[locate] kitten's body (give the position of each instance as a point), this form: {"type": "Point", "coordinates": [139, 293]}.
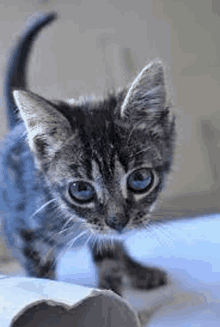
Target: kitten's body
{"type": "Point", "coordinates": [91, 168]}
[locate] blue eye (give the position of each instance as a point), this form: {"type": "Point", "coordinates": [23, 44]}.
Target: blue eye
{"type": "Point", "coordinates": [141, 180]}
{"type": "Point", "coordinates": [82, 192]}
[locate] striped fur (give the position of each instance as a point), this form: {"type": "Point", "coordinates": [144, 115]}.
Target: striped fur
{"type": "Point", "coordinates": [85, 163]}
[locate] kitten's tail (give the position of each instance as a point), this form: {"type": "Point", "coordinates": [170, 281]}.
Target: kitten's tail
{"type": "Point", "coordinates": [16, 72]}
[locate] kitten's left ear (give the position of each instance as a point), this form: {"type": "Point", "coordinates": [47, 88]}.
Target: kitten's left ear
{"type": "Point", "coordinates": [146, 98]}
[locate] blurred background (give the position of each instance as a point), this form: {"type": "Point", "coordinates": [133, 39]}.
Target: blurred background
{"type": "Point", "coordinates": [97, 45]}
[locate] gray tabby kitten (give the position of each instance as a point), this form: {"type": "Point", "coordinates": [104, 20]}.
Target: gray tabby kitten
{"type": "Point", "coordinates": [88, 168]}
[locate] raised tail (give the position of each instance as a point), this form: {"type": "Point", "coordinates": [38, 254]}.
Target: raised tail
{"type": "Point", "coordinates": [16, 72]}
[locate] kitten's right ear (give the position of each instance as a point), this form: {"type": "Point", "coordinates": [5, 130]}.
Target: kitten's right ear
{"type": "Point", "coordinates": [47, 128]}
{"type": "Point", "coordinates": [146, 98]}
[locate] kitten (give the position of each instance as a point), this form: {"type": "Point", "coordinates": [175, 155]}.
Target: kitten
{"type": "Point", "coordinates": [92, 168]}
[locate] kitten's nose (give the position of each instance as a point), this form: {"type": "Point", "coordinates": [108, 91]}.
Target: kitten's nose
{"type": "Point", "coordinates": [117, 223]}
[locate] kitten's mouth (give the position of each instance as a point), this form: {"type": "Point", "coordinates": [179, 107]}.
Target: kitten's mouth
{"type": "Point", "coordinates": [108, 232]}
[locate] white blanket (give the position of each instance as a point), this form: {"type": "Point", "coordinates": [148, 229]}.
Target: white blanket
{"type": "Point", "coordinates": [189, 251]}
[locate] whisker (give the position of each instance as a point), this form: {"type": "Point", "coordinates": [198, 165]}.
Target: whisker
{"type": "Point", "coordinates": [154, 234]}
{"type": "Point", "coordinates": [76, 238]}
{"type": "Point", "coordinates": [87, 241]}
{"type": "Point", "coordinates": [167, 232]}
{"type": "Point", "coordinates": [70, 244]}
{"type": "Point", "coordinates": [23, 135]}
{"type": "Point", "coordinates": [154, 228]}
{"type": "Point", "coordinates": [93, 239]}
{"type": "Point", "coordinates": [42, 207]}
{"type": "Point", "coordinates": [66, 223]}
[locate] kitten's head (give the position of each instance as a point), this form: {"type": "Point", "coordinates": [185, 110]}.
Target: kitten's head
{"type": "Point", "coordinates": [104, 161]}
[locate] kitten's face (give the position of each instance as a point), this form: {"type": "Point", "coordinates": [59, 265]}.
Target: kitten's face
{"type": "Point", "coordinates": [105, 161]}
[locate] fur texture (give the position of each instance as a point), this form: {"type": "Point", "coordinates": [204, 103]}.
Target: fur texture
{"type": "Point", "coordinates": [92, 169]}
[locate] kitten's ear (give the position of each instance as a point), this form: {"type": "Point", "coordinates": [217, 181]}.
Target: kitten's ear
{"type": "Point", "coordinates": [146, 98]}
{"type": "Point", "coordinates": [47, 128]}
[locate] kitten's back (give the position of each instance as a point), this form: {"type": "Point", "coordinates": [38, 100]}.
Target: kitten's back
{"type": "Point", "coordinates": [19, 195]}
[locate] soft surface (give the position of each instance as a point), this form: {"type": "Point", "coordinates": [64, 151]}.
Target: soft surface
{"type": "Point", "coordinates": [189, 251]}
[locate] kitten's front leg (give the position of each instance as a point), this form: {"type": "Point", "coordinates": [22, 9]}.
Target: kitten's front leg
{"type": "Point", "coordinates": [110, 276]}
{"type": "Point", "coordinates": [114, 264]}
{"type": "Point", "coordinates": [109, 261]}
{"type": "Point", "coordinates": [40, 259]}
{"type": "Point", "coordinates": [143, 277]}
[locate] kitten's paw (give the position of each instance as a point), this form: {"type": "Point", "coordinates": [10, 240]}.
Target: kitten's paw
{"type": "Point", "coordinates": [142, 277]}
{"type": "Point", "coordinates": [111, 276]}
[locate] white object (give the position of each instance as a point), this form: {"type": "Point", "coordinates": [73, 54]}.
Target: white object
{"type": "Point", "coordinates": [38, 302]}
